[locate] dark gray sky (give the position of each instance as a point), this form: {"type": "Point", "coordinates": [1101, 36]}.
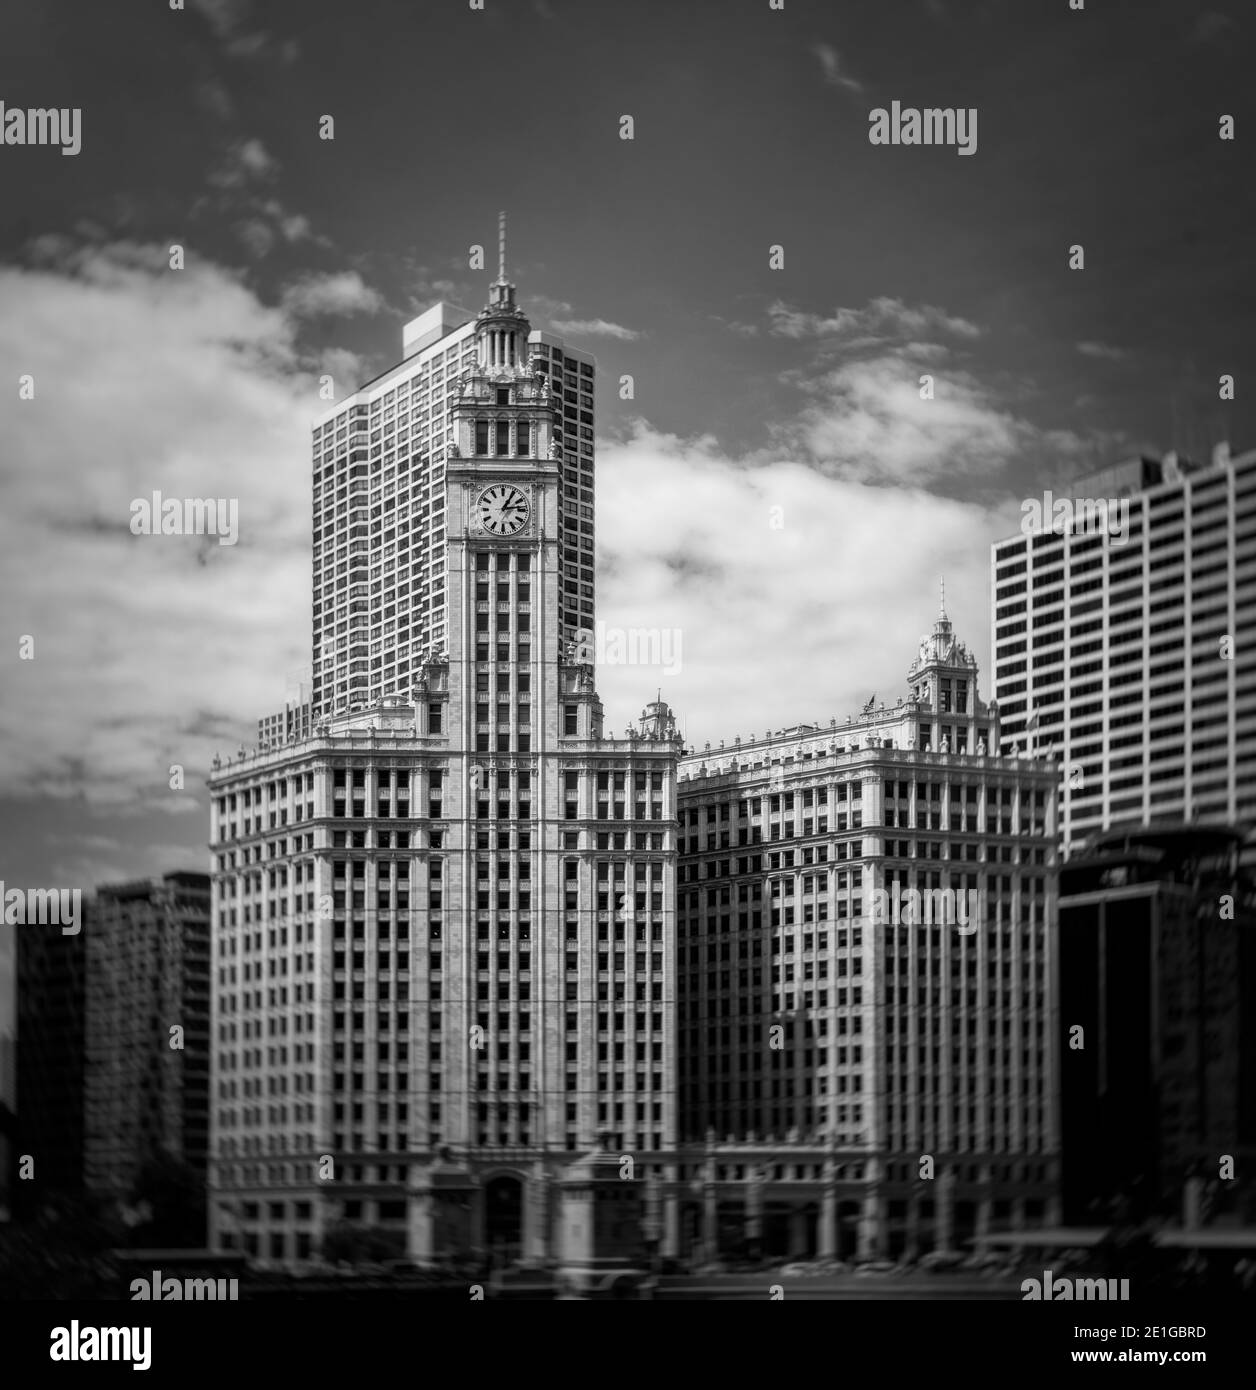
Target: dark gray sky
{"type": "Point", "coordinates": [755, 388]}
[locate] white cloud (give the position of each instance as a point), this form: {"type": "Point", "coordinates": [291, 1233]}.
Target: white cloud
{"type": "Point", "coordinates": [594, 328]}
{"type": "Point", "coordinates": [212, 96]}
{"type": "Point", "coordinates": [1102, 351]}
{"type": "Point", "coordinates": [165, 649]}
{"type": "Point", "coordinates": [347, 369]}
{"type": "Point", "coordinates": [256, 236]}
{"type": "Point", "coordinates": [865, 420]}
{"type": "Point", "coordinates": [230, 23]}
{"type": "Point", "coordinates": [344, 292]}
{"type": "Point", "coordinates": [831, 66]}
{"type": "Point", "coordinates": [247, 161]}
{"type": "Point", "coordinates": [777, 625]}
{"type": "Point", "coordinates": [879, 319]}
{"type": "Point", "coordinates": [149, 650]}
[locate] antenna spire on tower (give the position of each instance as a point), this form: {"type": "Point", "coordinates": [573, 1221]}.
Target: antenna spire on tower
{"type": "Point", "coordinates": [943, 583]}
{"type": "Point", "coordinates": [501, 247]}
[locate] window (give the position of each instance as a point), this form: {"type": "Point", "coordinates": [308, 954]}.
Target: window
{"type": "Point", "coordinates": [481, 436]}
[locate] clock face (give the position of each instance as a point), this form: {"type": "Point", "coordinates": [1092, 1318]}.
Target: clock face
{"type": "Point", "coordinates": [503, 510]}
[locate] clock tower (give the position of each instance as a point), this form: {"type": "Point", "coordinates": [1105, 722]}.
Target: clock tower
{"type": "Point", "coordinates": [468, 888]}
{"type": "Point", "coordinates": [559, 872]}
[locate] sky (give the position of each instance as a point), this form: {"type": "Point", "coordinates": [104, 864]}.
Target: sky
{"type": "Point", "coordinates": [776, 490]}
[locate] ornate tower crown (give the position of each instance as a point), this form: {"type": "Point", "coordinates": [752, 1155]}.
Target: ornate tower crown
{"type": "Point", "coordinates": [941, 647]}
{"type": "Point", "coordinates": [502, 327]}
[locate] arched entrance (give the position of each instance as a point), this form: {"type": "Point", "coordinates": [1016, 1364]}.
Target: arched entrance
{"type": "Point", "coordinates": [503, 1219]}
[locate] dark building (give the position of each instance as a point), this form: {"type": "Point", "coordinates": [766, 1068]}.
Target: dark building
{"type": "Point", "coordinates": [1158, 970]}
{"type": "Point", "coordinates": [146, 1086]}
{"type": "Point", "coordinates": [49, 1066]}
{"type": "Point", "coordinates": [8, 1125]}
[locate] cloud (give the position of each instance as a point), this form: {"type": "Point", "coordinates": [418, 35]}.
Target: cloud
{"type": "Point", "coordinates": [260, 222]}
{"type": "Point", "coordinates": [344, 292]}
{"type": "Point", "coordinates": [878, 320]}
{"type": "Point", "coordinates": [742, 330]}
{"type": "Point", "coordinates": [133, 635]}
{"type": "Point", "coordinates": [125, 864]}
{"type": "Point", "coordinates": [271, 223]}
{"type": "Point", "coordinates": [345, 368]}
{"type": "Point", "coordinates": [257, 237]}
{"type": "Point", "coordinates": [154, 650]}
{"type": "Point", "coordinates": [831, 66]}
{"type": "Point", "coordinates": [213, 97]}
{"type": "Point", "coordinates": [866, 422]}
{"type": "Point", "coordinates": [869, 414]}
{"type": "Point", "coordinates": [424, 285]}
{"type": "Point", "coordinates": [230, 23]}
{"type": "Point", "coordinates": [292, 226]}
{"type": "Point", "coordinates": [247, 161]}
{"type": "Point", "coordinates": [594, 328]}
{"type": "Point", "coordinates": [793, 599]}
{"type": "Point", "coordinates": [1103, 351]}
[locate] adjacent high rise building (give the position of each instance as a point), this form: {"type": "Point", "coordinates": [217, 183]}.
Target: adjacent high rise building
{"type": "Point", "coordinates": [49, 1060]}
{"type": "Point", "coordinates": [867, 970]}
{"type": "Point", "coordinates": [112, 1050]}
{"type": "Point", "coordinates": [1124, 637]}
{"type": "Point", "coordinates": [146, 1074]}
{"type": "Point", "coordinates": [443, 923]}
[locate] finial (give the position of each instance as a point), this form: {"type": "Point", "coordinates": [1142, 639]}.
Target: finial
{"type": "Point", "coordinates": [501, 247]}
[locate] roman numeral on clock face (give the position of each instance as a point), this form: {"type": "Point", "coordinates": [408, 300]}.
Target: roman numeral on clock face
{"type": "Point", "coordinates": [503, 509]}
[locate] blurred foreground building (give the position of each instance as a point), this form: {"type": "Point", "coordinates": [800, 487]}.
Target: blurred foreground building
{"type": "Point", "coordinates": [113, 1041]}
{"type": "Point", "coordinates": [1158, 1026]}
{"type": "Point", "coordinates": [50, 1061]}
{"type": "Point", "coordinates": [146, 1079]}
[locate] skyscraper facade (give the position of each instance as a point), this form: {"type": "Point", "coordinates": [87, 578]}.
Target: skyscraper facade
{"type": "Point", "coordinates": [444, 922]}
{"type": "Point", "coordinates": [1126, 642]}
{"type": "Point", "coordinates": [380, 501]}
{"type": "Point", "coordinates": [867, 966]}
